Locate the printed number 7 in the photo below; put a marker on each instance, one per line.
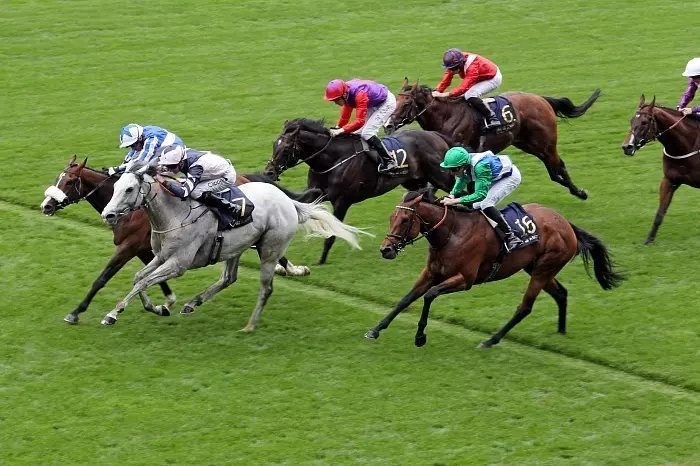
(527, 225)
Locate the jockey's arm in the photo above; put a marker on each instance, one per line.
(129, 156)
(460, 184)
(184, 189)
(345, 113)
(484, 180)
(469, 80)
(689, 95)
(362, 102)
(445, 82)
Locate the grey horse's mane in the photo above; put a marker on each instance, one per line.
(136, 166)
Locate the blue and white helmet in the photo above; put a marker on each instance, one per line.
(171, 155)
(129, 135)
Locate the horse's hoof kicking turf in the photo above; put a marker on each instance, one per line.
(421, 340)
(71, 319)
(109, 320)
(187, 309)
(373, 334)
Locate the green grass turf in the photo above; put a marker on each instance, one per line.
(307, 388)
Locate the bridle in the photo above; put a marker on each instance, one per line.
(638, 144)
(407, 120)
(284, 166)
(404, 240)
(77, 187)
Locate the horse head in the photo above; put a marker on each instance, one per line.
(410, 104)
(289, 149)
(130, 192)
(643, 127)
(67, 190)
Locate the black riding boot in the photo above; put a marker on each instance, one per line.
(485, 110)
(387, 164)
(214, 200)
(511, 240)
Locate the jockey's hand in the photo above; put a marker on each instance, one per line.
(440, 94)
(336, 131)
(686, 110)
(449, 201)
(111, 171)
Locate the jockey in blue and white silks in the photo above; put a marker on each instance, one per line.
(143, 141)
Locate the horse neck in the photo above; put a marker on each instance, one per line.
(680, 139)
(310, 144)
(436, 115)
(432, 214)
(164, 211)
(90, 179)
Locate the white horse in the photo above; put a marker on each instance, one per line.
(183, 234)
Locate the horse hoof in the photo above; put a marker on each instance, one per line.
(303, 271)
(582, 194)
(648, 242)
(109, 320)
(71, 319)
(187, 309)
(247, 329)
(485, 345)
(162, 310)
(281, 271)
(421, 340)
(373, 334)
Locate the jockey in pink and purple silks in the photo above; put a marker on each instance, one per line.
(692, 71)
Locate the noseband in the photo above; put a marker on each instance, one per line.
(403, 239)
(77, 187)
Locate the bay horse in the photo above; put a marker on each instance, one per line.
(680, 137)
(534, 130)
(346, 175)
(464, 248)
(132, 235)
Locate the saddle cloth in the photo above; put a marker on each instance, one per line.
(227, 218)
(504, 111)
(522, 224)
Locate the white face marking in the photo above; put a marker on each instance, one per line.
(279, 141)
(637, 115)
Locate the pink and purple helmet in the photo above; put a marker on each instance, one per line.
(453, 59)
(335, 89)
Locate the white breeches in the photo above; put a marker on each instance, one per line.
(377, 117)
(500, 190)
(484, 87)
(216, 185)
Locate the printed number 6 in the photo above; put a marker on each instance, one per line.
(507, 114)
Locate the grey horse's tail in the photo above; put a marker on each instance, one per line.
(319, 221)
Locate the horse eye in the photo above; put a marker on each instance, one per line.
(69, 182)
(128, 190)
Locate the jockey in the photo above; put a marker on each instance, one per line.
(692, 71)
(479, 76)
(373, 104)
(143, 141)
(206, 175)
(494, 178)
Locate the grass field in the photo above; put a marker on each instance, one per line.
(623, 387)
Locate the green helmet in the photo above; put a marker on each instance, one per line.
(456, 157)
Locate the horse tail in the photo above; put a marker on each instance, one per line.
(565, 108)
(309, 195)
(319, 221)
(590, 247)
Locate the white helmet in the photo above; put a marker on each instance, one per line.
(129, 135)
(692, 68)
(171, 155)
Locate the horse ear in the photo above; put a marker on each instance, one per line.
(72, 160)
(82, 164)
(642, 100)
(653, 102)
(405, 81)
(141, 171)
(415, 86)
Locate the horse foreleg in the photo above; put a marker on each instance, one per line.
(425, 281)
(170, 298)
(229, 275)
(537, 282)
(340, 209)
(451, 285)
(267, 273)
(169, 269)
(666, 191)
(121, 257)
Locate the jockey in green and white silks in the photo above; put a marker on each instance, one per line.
(494, 177)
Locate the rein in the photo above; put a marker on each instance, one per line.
(659, 134)
(404, 240)
(182, 225)
(414, 105)
(299, 160)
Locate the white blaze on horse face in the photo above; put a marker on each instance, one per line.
(52, 192)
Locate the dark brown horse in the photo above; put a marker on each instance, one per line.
(132, 235)
(339, 167)
(680, 137)
(464, 248)
(534, 130)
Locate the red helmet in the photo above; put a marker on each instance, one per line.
(453, 59)
(335, 89)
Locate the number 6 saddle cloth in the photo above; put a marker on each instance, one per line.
(522, 224)
(504, 111)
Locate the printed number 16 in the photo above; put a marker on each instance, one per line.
(527, 225)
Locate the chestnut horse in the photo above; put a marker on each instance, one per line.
(464, 250)
(132, 235)
(534, 130)
(680, 137)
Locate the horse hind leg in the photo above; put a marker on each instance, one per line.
(556, 168)
(229, 275)
(285, 267)
(560, 295)
(267, 273)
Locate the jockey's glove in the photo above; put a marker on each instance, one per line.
(112, 171)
